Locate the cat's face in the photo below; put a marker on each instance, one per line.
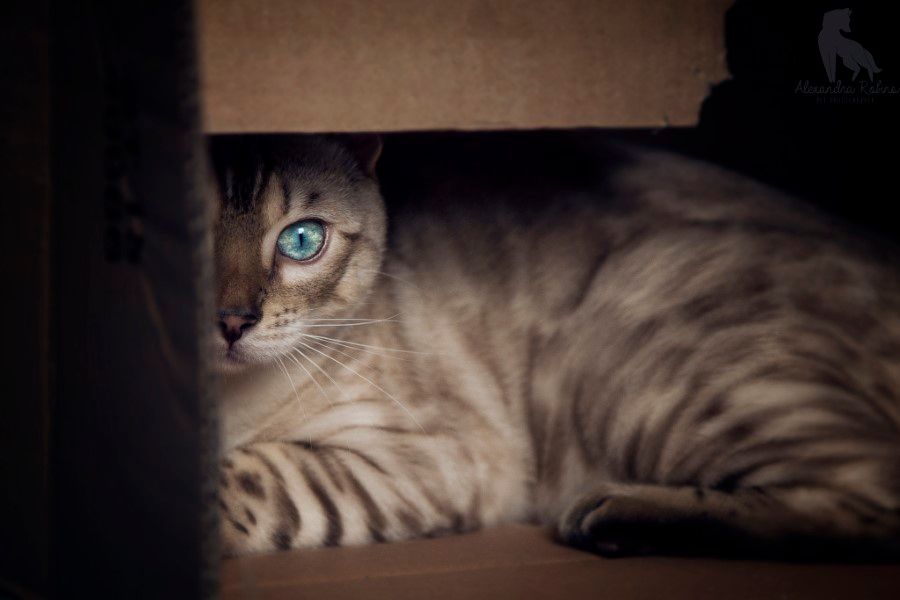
(299, 236)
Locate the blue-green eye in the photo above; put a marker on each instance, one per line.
(301, 240)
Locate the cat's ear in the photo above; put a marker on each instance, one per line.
(366, 148)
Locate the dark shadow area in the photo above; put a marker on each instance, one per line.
(837, 151)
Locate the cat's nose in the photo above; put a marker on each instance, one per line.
(233, 324)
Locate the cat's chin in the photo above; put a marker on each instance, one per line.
(227, 363)
(230, 367)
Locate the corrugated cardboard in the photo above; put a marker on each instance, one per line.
(357, 65)
(518, 561)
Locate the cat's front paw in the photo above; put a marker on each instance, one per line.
(238, 519)
(611, 523)
(255, 513)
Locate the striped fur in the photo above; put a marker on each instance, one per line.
(665, 358)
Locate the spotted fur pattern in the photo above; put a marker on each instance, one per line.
(663, 358)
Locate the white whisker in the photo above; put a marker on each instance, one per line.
(358, 345)
(287, 374)
(329, 343)
(336, 319)
(394, 277)
(323, 371)
(356, 323)
(310, 375)
(338, 350)
(370, 382)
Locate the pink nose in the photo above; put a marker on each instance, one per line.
(233, 324)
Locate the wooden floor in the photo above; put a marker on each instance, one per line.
(521, 562)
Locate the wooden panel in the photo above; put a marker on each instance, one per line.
(345, 65)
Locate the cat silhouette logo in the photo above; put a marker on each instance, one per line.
(832, 44)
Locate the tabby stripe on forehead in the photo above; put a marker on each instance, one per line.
(229, 183)
(257, 182)
(335, 526)
(286, 191)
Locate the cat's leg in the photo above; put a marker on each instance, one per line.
(390, 486)
(791, 521)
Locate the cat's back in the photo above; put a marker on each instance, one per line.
(637, 263)
(560, 224)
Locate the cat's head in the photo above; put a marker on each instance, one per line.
(299, 235)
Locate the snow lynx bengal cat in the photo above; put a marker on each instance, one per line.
(646, 353)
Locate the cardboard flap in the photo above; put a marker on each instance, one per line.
(354, 65)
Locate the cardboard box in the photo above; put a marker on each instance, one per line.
(357, 65)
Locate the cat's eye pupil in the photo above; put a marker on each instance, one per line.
(302, 240)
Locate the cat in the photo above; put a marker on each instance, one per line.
(643, 352)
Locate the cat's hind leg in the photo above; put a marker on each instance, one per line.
(793, 522)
